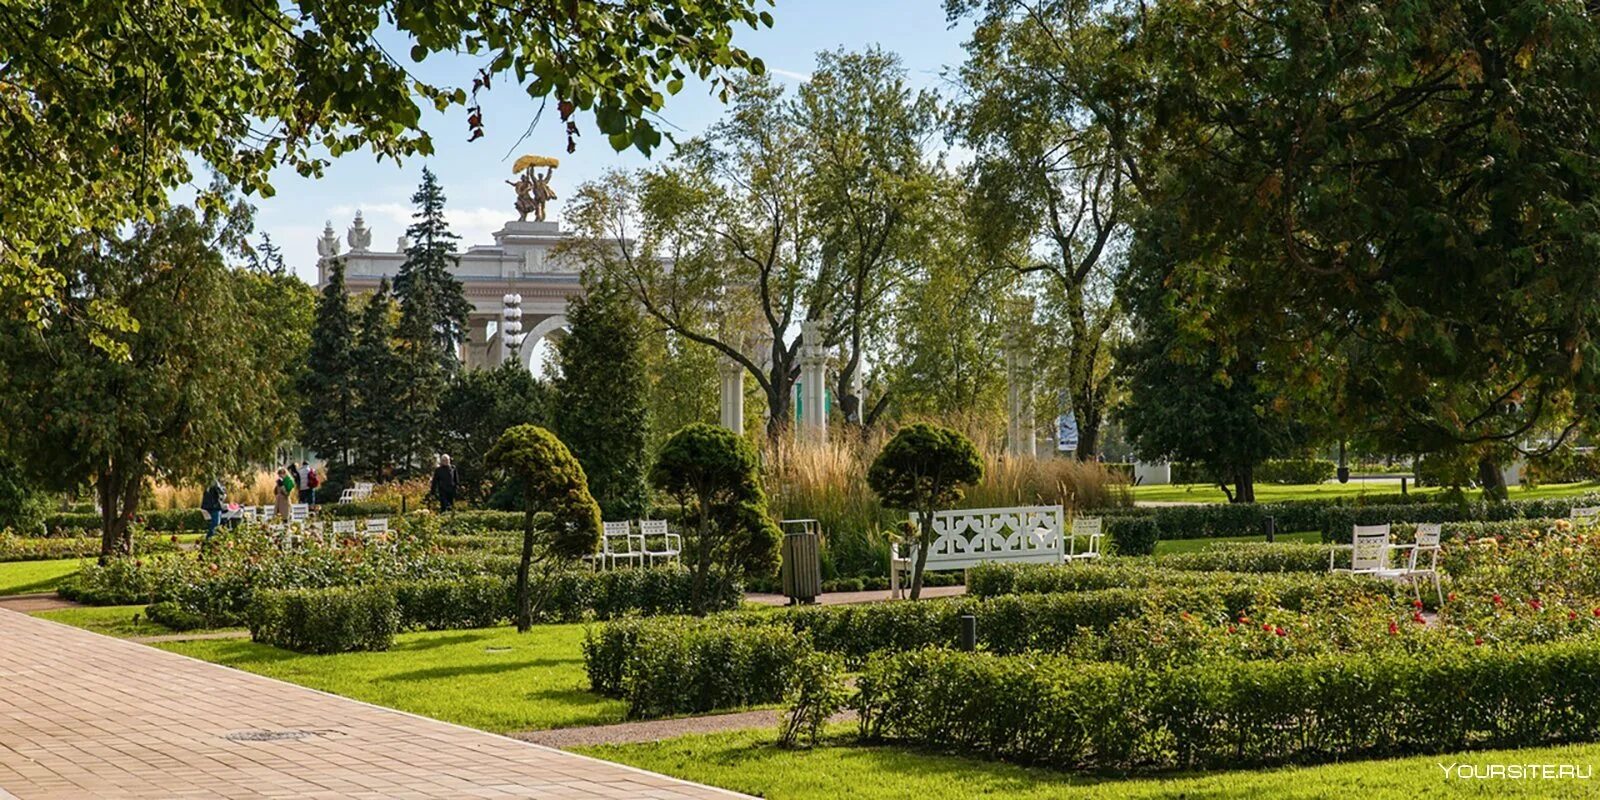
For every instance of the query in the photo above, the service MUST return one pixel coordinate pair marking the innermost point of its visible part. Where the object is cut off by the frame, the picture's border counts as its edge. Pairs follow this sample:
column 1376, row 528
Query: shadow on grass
column 456, row 671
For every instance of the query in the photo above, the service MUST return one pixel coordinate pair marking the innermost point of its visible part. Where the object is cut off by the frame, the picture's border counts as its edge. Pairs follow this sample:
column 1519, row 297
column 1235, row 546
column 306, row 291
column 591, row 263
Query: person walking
column 443, row 485
column 211, row 503
column 280, row 495
column 310, row 480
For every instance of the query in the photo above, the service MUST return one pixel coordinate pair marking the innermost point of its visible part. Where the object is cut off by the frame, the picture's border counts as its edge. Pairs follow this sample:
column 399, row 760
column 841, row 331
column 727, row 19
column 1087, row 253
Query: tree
column 922, row 469
column 199, row 385
column 713, row 474
column 429, row 293
column 601, row 410
column 478, row 406
column 108, row 107
column 329, row 387
column 560, row 520
column 1055, row 121
column 380, row 439
column 1399, row 203
column 267, row 258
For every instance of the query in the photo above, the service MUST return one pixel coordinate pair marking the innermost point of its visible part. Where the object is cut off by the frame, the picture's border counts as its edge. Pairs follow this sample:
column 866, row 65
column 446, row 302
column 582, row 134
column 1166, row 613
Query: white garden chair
column 1370, row 551
column 299, row 512
column 344, row 527
column 618, row 542
column 378, row 526
column 1425, row 545
column 1088, row 528
column 1584, row 516
column 655, row 530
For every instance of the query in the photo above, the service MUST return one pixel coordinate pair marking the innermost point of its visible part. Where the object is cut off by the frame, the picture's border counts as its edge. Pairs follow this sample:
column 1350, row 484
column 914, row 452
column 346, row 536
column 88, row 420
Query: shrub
column 816, row 692
column 32, row 548
column 682, row 665
column 333, row 509
column 1063, row 713
column 1133, row 536
column 1255, row 557
column 476, row 601
column 922, row 470
column 712, row 474
column 175, row 617
column 1296, row 470
column 324, row 620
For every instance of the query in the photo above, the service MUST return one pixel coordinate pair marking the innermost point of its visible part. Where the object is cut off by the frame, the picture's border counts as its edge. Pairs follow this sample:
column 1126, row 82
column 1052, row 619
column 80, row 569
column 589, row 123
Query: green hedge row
column 166, row 521
column 1061, row 713
column 1289, row 589
column 1331, row 518
column 1255, row 557
column 486, row 600
column 325, row 620
column 692, row 665
column 33, row 548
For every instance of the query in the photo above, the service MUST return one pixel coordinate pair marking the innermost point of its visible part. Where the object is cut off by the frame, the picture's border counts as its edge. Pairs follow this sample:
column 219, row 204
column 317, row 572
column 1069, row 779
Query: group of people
column 299, row 484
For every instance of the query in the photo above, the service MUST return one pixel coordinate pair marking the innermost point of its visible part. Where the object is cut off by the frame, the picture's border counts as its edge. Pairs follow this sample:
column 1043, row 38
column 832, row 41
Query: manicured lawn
column 1267, row 493
column 494, row 678
column 1191, row 545
column 27, row 577
column 748, row 762
column 117, row 621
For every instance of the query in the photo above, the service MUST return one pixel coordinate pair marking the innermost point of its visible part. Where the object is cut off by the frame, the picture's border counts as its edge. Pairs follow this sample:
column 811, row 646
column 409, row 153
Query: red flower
column 1478, row 640
column 1536, row 605
column 1418, row 618
column 1571, row 615
column 1244, row 620
column 1597, row 612
column 1416, row 604
column 1394, row 628
column 1451, row 597
column 1232, row 629
column 1496, row 600
column 1266, row 626
column 174, row 538
column 1278, row 631
column 138, row 562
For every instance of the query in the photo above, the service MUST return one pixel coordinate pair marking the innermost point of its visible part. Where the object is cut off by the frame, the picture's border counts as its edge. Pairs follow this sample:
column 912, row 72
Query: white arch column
column 813, row 383
column 732, row 401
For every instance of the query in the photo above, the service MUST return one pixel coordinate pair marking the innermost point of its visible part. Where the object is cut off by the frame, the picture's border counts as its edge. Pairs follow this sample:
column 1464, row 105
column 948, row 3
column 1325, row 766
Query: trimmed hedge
column 1289, row 590
column 164, row 520
column 334, row 509
column 1273, row 470
column 325, row 620
column 33, row 548
column 483, row 601
column 1061, row 713
column 1255, row 557
column 706, row 664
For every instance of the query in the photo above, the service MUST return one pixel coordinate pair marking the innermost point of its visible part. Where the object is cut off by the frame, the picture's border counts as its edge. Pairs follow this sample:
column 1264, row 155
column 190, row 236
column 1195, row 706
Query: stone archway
column 552, row 327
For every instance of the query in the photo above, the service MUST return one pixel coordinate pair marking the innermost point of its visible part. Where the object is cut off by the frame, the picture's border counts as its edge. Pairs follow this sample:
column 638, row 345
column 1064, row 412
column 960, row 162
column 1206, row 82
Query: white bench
column 357, row 493
column 965, row 538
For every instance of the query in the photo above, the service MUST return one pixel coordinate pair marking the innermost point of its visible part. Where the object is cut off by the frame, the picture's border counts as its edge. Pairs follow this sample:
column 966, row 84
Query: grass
column 494, row 678
column 28, row 577
column 1191, row 545
column 1272, row 492
column 119, row 621
column 748, row 762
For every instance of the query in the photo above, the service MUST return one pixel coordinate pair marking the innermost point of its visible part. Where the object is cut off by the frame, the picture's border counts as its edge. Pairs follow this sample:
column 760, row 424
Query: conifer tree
column 602, row 393
column 328, row 385
column 378, row 433
column 425, row 287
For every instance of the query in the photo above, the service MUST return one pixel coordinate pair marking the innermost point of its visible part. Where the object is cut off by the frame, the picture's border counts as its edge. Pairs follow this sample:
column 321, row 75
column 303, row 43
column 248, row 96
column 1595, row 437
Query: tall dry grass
column 828, row 483
column 254, row 490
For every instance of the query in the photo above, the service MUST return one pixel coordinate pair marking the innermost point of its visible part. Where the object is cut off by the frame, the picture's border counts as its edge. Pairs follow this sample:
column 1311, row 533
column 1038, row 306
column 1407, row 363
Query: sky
column 478, row 202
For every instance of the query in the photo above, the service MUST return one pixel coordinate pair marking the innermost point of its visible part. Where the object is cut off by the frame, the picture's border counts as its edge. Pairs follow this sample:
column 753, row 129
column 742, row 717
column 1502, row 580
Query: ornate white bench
column 968, row 537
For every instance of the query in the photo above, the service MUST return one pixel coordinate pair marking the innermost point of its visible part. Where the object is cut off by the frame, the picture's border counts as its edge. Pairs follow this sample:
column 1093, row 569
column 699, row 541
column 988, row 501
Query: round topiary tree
column 714, row 476
column 560, row 520
column 922, row 469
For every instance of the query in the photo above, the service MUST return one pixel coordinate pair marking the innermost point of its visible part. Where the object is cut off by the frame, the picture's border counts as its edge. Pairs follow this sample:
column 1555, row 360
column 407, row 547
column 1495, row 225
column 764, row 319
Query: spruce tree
column 424, row 285
column 328, row 385
column 602, row 398
column 378, row 434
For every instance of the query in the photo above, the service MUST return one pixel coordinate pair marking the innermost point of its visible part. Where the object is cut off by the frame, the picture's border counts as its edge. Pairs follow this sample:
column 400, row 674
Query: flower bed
column 33, row 548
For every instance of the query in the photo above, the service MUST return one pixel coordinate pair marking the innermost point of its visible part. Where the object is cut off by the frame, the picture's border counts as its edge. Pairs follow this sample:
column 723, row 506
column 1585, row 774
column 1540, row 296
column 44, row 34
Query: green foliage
column 816, row 692
column 248, row 89
column 174, row 616
column 199, row 383
column 713, row 476
column 22, row 505
column 601, row 397
column 1255, row 557
column 377, row 419
column 29, row 548
column 1133, row 536
column 324, row 621
column 1290, row 590
column 922, row 469
column 557, row 507
column 686, row 665
column 476, row 408
column 479, row 601
column 328, row 411
column 1066, row 714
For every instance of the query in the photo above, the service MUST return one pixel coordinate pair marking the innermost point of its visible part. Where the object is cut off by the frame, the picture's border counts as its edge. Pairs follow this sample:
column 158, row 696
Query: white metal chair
column 299, row 512
column 1370, row 550
column 656, row 529
column 264, row 514
column 1426, row 544
column 617, row 543
column 1585, row 516
column 378, row 526
column 344, row 527
column 1089, row 528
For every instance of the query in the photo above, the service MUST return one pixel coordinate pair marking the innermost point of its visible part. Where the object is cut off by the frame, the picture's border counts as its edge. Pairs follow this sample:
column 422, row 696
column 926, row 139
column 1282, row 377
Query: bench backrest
column 971, row 536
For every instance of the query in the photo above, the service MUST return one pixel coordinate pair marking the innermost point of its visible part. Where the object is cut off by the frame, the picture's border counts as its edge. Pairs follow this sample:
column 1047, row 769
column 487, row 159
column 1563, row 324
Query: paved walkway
column 29, row 603
column 851, row 598
column 85, row 715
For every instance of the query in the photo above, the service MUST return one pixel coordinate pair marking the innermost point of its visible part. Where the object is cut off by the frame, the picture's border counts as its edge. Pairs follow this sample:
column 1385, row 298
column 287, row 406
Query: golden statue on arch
column 533, row 189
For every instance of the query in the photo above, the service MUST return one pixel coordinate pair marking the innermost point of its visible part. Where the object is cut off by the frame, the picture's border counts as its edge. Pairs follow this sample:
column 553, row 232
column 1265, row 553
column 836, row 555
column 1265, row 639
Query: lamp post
column 511, row 327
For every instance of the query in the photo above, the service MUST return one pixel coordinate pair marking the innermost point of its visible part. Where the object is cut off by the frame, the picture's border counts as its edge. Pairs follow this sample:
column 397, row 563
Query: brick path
column 85, row 715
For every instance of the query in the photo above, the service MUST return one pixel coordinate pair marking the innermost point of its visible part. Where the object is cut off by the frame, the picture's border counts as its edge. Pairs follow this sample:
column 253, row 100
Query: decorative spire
column 402, row 244
column 328, row 245
column 359, row 237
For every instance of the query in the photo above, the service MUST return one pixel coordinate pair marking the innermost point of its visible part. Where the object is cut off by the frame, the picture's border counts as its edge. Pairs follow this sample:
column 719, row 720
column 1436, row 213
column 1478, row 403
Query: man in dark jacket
column 444, row 484
column 211, row 503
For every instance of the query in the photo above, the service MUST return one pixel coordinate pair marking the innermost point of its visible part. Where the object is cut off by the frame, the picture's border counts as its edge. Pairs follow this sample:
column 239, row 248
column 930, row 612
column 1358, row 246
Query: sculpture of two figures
column 533, row 189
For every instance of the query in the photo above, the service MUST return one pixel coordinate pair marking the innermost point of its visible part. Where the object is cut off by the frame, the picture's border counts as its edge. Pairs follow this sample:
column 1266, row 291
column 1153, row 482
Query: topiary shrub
column 1133, row 536
column 712, row 474
column 922, row 470
column 325, row 620
column 559, row 518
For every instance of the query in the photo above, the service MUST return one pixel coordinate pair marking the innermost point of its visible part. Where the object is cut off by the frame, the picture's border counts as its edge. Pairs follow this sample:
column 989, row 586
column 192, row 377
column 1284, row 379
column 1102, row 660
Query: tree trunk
column 780, row 411
column 1492, row 480
column 1244, row 482
column 702, row 561
column 118, row 493
column 524, row 592
column 1088, row 434
column 924, row 541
